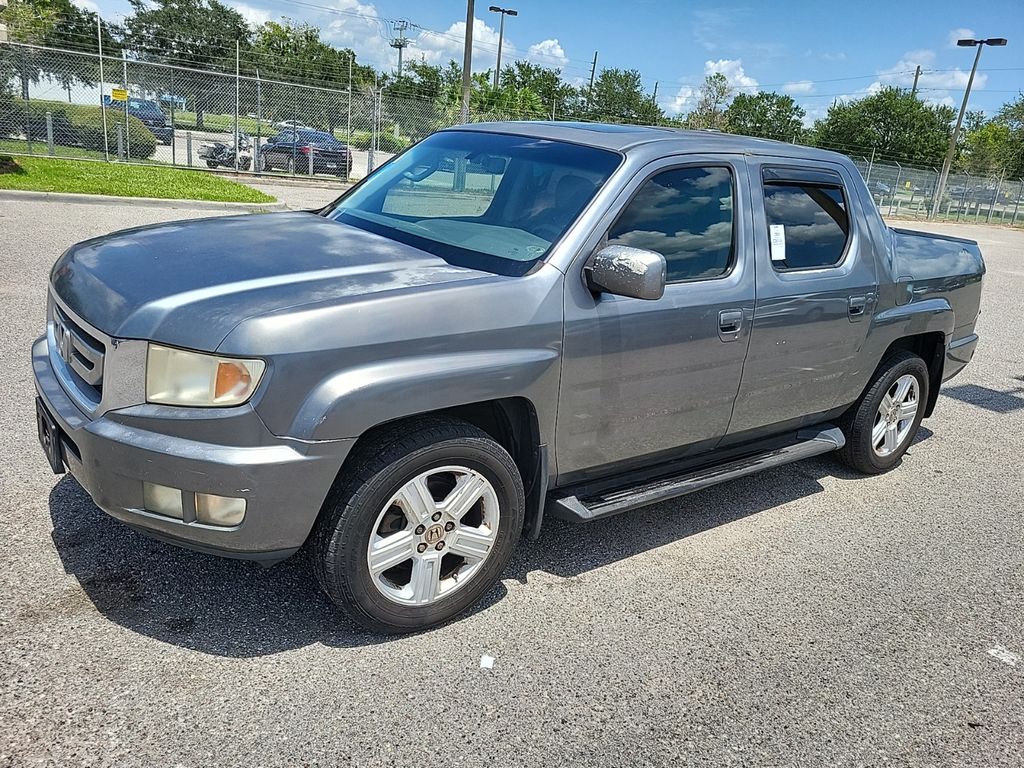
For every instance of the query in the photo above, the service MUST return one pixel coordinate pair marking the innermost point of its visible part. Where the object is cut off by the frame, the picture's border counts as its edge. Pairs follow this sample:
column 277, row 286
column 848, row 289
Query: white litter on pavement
column 1005, row 655
column 487, row 662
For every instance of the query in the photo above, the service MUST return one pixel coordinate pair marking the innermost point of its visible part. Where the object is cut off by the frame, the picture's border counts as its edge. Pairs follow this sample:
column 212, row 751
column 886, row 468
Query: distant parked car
column 294, row 151
column 149, row 114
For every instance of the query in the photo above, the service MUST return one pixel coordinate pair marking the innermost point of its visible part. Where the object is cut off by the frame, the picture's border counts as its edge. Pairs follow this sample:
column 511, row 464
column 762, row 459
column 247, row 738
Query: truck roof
column 622, row 138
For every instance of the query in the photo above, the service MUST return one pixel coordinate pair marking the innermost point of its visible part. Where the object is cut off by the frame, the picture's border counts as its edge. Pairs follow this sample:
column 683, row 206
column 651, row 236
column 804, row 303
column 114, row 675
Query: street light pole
column 940, row 188
column 501, row 37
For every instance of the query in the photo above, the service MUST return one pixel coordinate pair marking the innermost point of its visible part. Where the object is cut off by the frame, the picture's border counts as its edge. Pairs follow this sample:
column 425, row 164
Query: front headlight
column 177, row 377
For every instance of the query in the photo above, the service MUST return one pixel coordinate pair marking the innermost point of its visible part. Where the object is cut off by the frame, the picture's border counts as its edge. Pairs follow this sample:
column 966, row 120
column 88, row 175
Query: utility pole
column 400, row 42
column 237, row 80
column 127, row 138
column 590, row 88
column 917, row 75
column 501, row 38
column 103, row 107
column 467, row 61
column 944, row 174
column 654, row 98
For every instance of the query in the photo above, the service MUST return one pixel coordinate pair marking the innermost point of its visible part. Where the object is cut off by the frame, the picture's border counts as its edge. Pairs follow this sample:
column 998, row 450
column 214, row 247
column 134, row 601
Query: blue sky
column 814, row 50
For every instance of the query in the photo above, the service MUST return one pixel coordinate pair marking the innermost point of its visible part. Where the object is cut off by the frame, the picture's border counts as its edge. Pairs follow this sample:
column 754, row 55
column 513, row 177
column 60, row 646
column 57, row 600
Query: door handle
column 730, row 321
column 857, row 306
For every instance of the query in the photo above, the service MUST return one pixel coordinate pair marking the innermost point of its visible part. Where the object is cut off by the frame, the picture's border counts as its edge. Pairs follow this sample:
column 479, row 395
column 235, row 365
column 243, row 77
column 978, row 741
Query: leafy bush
column 386, row 141
column 76, row 125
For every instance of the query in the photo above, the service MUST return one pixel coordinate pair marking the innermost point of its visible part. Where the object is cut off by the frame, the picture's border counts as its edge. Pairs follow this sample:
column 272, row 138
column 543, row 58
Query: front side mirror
column 625, row 271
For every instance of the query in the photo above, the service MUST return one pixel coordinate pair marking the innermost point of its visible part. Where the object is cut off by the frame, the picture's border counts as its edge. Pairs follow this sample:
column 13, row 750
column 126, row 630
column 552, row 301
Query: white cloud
column 733, row 71
column 935, row 85
column 799, row 87
column 548, row 53
column 360, row 28
column 439, row 47
column 958, row 34
column 86, row 5
column 254, row 17
column 684, row 99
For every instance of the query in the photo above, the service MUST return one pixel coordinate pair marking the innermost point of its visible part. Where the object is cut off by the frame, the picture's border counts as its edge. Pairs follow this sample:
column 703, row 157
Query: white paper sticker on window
column 778, row 241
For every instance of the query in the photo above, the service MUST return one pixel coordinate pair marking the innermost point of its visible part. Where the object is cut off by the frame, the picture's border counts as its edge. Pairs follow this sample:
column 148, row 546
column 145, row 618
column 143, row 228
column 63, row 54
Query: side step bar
column 809, row 443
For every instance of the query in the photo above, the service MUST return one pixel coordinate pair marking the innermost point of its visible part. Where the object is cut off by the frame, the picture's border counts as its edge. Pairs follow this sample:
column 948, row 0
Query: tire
column 211, row 164
column 366, row 500
column 862, row 423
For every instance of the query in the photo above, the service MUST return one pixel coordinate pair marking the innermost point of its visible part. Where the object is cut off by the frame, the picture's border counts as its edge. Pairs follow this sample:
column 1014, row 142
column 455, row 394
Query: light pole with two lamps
column 501, row 37
column 944, row 174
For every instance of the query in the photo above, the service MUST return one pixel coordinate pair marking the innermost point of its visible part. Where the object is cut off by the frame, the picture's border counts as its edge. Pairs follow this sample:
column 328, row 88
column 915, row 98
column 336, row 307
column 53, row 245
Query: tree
column 54, row 24
column 892, row 123
column 618, row 96
column 1011, row 115
column 556, row 95
column 987, row 150
column 711, row 104
column 294, row 53
column 766, row 116
column 198, row 34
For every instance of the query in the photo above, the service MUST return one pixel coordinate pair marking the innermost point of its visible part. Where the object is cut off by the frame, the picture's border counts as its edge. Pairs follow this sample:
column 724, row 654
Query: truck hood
column 188, row 283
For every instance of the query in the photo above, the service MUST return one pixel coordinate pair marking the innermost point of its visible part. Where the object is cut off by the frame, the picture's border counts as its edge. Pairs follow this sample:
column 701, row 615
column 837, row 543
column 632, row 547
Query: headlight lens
column 177, row 377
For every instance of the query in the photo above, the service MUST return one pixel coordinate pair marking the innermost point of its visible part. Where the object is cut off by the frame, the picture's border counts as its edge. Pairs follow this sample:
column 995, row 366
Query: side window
column 808, row 224
column 684, row 214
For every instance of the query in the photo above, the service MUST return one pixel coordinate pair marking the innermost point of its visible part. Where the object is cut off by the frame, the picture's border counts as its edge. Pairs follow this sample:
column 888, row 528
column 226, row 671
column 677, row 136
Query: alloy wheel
column 895, row 416
column 433, row 536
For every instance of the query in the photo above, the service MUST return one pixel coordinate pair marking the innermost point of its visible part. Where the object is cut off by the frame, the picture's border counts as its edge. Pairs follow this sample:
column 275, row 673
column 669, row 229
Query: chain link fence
column 903, row 191
column 82, row 105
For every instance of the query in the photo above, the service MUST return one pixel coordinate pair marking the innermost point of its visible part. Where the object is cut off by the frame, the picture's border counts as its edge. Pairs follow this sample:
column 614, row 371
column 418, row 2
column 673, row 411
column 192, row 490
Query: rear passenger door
column 816, row 292
column 643, row 378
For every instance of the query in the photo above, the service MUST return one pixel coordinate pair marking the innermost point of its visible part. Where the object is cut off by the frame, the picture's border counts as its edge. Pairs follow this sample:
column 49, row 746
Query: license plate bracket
column 49, row 438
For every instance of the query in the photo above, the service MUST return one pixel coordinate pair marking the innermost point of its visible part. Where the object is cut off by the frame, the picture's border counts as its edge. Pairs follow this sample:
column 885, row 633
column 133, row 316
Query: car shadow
column 990, row 399
column 237, row 608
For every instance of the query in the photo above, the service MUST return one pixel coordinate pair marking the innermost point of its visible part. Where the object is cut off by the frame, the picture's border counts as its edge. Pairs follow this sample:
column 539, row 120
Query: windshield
column 482, row 200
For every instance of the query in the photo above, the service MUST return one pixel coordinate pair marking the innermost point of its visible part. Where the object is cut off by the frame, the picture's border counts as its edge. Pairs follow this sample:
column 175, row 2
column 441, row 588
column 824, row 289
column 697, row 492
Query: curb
column 143, row 202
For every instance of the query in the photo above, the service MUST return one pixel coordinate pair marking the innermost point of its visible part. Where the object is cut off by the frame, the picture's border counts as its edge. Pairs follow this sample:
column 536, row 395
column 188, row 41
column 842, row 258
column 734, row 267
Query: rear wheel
column 419, row 526
column 881, row 425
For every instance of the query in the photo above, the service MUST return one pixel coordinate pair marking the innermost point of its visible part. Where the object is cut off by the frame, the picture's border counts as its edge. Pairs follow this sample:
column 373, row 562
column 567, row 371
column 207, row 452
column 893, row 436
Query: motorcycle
column 219, row 154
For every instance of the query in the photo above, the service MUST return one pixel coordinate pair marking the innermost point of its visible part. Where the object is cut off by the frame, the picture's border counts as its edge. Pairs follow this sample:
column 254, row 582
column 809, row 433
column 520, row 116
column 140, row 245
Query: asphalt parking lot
column 801, row 617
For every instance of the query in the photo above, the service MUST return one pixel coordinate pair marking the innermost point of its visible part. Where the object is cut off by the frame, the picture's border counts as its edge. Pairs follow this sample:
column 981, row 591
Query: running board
column 809, row 443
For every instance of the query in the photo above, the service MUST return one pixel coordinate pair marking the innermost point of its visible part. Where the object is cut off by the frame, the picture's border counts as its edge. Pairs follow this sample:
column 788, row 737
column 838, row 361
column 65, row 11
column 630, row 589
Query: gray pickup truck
column 505, row 322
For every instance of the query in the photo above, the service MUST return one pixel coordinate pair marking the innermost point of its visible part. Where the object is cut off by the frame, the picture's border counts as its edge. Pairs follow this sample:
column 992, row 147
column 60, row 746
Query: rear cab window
column 808, row 217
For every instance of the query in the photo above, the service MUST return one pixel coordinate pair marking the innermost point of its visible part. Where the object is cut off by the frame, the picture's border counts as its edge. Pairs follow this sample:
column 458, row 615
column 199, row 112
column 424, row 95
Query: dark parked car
column 149, row 114
column 293, row 151
column 411, row 378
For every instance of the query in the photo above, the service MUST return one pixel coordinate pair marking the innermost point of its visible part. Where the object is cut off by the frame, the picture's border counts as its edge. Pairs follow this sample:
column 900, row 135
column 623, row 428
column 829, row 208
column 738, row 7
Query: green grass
column 20, row 146
column 44, row 174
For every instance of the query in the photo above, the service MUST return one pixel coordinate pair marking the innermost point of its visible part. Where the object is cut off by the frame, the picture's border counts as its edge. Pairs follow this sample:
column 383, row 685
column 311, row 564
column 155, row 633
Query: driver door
column 645, row 380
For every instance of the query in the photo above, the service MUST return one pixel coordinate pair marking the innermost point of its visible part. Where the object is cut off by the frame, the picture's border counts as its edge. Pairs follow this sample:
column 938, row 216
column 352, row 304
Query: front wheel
column 881, row 425
column 420, row 525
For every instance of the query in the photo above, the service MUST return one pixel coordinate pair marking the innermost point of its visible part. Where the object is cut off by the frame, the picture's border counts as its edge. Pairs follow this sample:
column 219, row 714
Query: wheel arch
column 512, row 422
column 930, row 347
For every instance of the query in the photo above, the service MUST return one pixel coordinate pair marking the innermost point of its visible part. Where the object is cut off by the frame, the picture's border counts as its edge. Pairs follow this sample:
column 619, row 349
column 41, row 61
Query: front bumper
column 283, row 481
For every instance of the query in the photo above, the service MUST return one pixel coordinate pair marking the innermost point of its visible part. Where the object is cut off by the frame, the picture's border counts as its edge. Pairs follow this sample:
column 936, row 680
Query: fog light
column 219, row 510
column 162, row 500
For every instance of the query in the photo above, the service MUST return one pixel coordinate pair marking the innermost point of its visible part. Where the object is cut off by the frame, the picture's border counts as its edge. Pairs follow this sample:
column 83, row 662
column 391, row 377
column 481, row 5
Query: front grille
column 82, row 354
